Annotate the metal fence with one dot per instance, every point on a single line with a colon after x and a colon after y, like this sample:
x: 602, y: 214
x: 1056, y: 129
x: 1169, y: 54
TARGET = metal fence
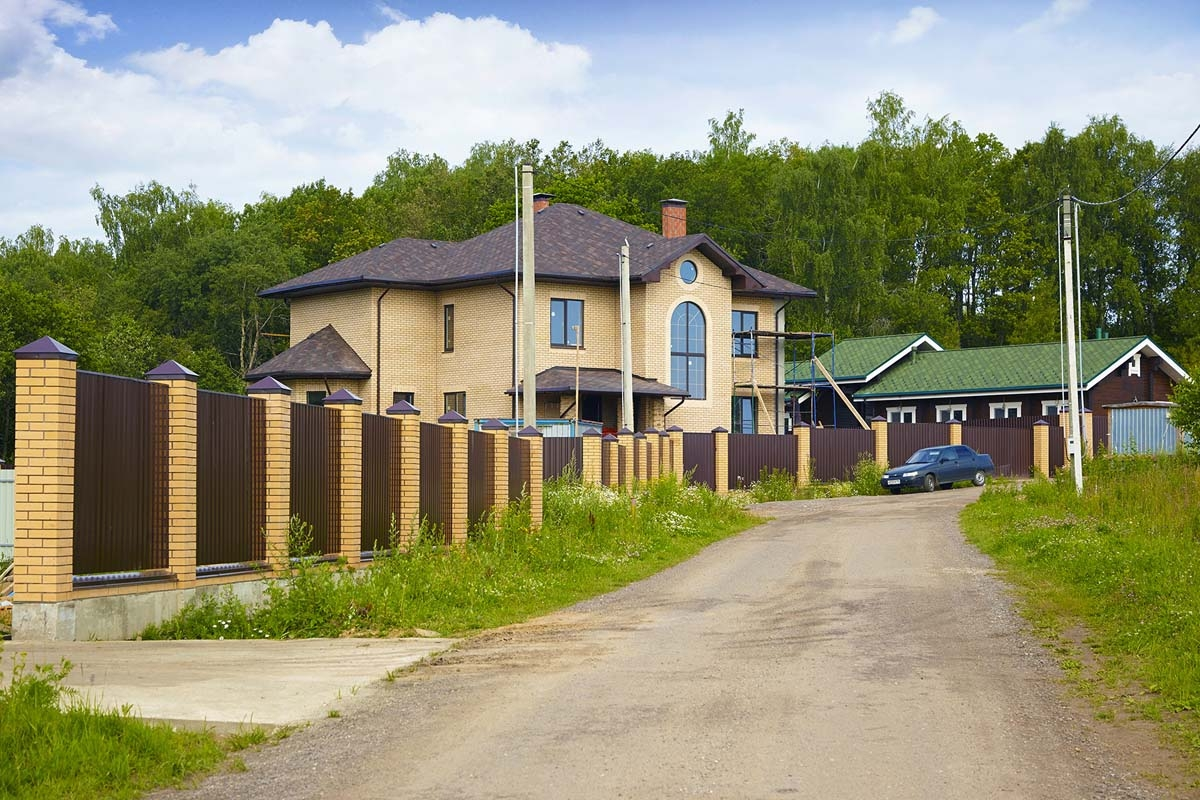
x: 559, y: 454
x: 751, y: 453
x: 904, y: 439
x: 1012, y: 422
x: 316, y: 477
x: 7, y: 511
x: 1100, y: 432
x: 435, y: 445
x: 1142, y: 429
x: 120, y: 475
x: 1058, y: 450
x: 516, y: 464
x: 835, y: 451
x: 480, y: 447
x: 1011, y: 453
x: 699, y: 458
x: 381, y: 476
x: 230, y: 479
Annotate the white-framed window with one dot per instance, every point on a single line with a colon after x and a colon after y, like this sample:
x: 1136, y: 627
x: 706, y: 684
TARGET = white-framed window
x: 952, y: 413
x: 902, y: 414
x: 1004, y: 410
x: 1052, y: 408
x: 1135, y: 365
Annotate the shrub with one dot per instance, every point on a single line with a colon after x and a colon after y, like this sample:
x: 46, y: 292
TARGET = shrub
x: 867, y: 477
x: 773, y: 485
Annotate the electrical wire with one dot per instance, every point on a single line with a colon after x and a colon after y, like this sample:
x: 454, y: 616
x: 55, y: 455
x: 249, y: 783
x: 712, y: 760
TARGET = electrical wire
x: 1148, y: 178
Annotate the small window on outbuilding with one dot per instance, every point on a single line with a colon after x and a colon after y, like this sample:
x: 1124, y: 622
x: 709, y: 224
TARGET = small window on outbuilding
x: 952, y: 413
x: 1135, y: 366
x: 1004, y: 410
x: 902, y: 414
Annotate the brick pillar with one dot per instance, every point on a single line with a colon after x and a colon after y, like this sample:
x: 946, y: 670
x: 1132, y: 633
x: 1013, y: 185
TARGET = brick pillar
x: 652, y: 455
x: 676, y: 435
x: 625, y: 440
x: 349, y: 408
x: 612, y: 461
x: 498, y: 470
x: 590, y: 456
x: 639, y: 457
x: 1041, y: 448
x: 278, y: 463
x: 665, y: 466
x: 879, y: 426
x: 803, y: 435
x: 1089, y: 429
x: 454, y: 473
x: 408, y: 471
x: 44, y: 536
x: 1064, y: 422
x: 181, y: 469
x: 721, y: 460
x: 955, y: 432
x: 532, y: 473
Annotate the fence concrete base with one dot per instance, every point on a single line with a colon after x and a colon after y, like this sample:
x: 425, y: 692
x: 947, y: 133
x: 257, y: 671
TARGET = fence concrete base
x: 116, y: 616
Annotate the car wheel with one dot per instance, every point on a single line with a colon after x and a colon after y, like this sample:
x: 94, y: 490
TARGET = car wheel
x: 980, y: 478
x: 930, y: 482
x: 894, y: 491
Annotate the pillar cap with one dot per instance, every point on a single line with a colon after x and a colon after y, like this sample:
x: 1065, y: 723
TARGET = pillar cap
x: 608, y: 437
x: 46, y: 349
x: 639, y: 435
x: 171, y: 371
x: 650, y: 430
x: 342, y: 397
x: 663, y: 433
x: 674, y: 429
x: 529, y: 430
x: 719, y: 429
x: 801, y: 424
x: 493, y: 424
x: 590, y: 432
x: 1041, y: 422
x: 401, y: 408
x: 451, y: 418
x: 1087, y: 410
x: 624, y: 432
x: 878, y: 419
x: 268, y: 385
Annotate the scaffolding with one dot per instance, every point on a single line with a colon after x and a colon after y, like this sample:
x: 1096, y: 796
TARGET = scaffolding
x: 789, y: 393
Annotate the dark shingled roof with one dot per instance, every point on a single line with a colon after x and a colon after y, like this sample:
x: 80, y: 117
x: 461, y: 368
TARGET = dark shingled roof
x: 572, y: 244
x: 323, y: 354
x: 561, y: 380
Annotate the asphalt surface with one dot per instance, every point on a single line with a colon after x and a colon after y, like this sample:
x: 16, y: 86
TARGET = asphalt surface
x: 853, y: 648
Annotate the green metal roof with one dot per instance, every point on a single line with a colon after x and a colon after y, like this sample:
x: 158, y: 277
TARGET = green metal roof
x: 989, y: 369
x: 855, y: 359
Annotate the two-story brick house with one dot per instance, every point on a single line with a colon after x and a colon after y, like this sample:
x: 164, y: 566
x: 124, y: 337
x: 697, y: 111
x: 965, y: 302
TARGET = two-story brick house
x: 432, y: 323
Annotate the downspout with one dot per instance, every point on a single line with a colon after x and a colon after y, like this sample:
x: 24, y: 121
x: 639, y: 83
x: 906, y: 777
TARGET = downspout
x: 379, y: 351
x: 667, y: 413
x: 780, y: 365
x: 514, y: 348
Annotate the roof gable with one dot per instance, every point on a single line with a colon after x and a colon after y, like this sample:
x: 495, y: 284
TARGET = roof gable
x: 322, y: 354
x: 865, y: 358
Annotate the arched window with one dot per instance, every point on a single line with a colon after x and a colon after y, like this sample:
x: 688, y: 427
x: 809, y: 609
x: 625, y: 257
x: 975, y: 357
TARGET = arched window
x: 687, y: 349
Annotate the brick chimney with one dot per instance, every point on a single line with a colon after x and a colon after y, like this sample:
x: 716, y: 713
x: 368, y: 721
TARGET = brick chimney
x: 674, y: 218
x: 541, y: 200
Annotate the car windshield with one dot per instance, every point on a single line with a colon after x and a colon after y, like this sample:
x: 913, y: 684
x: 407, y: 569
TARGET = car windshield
x: 925, y: 455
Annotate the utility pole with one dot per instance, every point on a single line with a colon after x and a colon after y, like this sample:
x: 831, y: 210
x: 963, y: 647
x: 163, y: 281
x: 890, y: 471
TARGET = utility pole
x: 529, y: 306
x: 1070, y: 337
x: 626, y: 343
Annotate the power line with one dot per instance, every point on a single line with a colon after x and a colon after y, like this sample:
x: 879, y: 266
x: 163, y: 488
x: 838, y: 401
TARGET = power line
x: 1147, y: 180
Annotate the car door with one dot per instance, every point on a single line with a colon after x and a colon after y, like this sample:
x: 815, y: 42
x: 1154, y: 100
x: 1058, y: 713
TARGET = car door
x: 965, y: 464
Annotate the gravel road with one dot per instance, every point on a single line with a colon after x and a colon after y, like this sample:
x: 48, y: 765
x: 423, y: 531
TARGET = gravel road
x: 851, y: 648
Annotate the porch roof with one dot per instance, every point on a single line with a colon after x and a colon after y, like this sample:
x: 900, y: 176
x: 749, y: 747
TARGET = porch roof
x: 561, y: 380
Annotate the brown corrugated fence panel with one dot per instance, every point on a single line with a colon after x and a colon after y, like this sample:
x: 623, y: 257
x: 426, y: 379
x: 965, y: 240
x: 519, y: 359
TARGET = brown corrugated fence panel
x: 835, y: 451
x: 560, y: 453
x: 516, y: 486
x: 906, y: 438
x: 1011, y: 448
x: 1100, y: 432
x: 433, y: 482
x: 120, y: 475
x: 1058, y: 456
x: 604, y: 460
x: 751, y: 453
x: 699, y: 458
x: 479, y: 474
x: 230, y: 479
x: 1011, y: 422
x: 380, y: 465
x: 316, y: 484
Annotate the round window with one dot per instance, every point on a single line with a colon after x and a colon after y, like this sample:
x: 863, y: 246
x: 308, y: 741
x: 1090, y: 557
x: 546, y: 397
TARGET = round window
x: 688, y: 272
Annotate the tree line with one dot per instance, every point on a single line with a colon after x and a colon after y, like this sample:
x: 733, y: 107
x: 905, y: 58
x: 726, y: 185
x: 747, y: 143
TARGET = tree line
x: 919, y: 227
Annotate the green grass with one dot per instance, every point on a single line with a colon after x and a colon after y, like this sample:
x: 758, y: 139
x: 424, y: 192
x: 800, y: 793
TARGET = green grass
x: 773, y: 485
x: 1122, y: 559
x: 49, y: 752
x: 592, y: 540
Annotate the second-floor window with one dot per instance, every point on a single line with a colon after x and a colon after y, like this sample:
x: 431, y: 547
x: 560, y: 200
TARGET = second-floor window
x: 744, y: 321
x: 566, y: 323
x: 448, y: 328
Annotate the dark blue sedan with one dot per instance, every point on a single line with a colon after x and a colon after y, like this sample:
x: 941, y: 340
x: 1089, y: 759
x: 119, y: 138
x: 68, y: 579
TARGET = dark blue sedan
x: 931, y: 467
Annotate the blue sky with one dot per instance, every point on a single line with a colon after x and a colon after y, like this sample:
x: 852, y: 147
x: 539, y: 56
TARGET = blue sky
x: 238, y: 98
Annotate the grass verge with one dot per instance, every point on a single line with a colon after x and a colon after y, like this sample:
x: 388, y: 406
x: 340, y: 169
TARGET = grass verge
x: 1120, y: 559
x: 774, y: 485
x: 592, y: 540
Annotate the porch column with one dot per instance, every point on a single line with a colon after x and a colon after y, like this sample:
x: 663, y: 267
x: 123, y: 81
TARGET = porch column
x: 879, y: 426
x: 721, y: 460
x: 406, y: 444
x: 349, y: 421
x: 181, y: 469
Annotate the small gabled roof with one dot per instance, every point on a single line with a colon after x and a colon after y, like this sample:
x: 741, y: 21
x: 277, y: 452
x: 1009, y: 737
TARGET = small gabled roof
x: 561, y: 380
x: 862, y: 359
x: 572, y: 244
x: 323, y: 354
x: 1012, y: 368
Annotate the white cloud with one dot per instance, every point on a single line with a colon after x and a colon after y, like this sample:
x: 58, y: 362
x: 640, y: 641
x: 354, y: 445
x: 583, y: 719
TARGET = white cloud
x: 920, y: 21
x: 1059, y: 13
